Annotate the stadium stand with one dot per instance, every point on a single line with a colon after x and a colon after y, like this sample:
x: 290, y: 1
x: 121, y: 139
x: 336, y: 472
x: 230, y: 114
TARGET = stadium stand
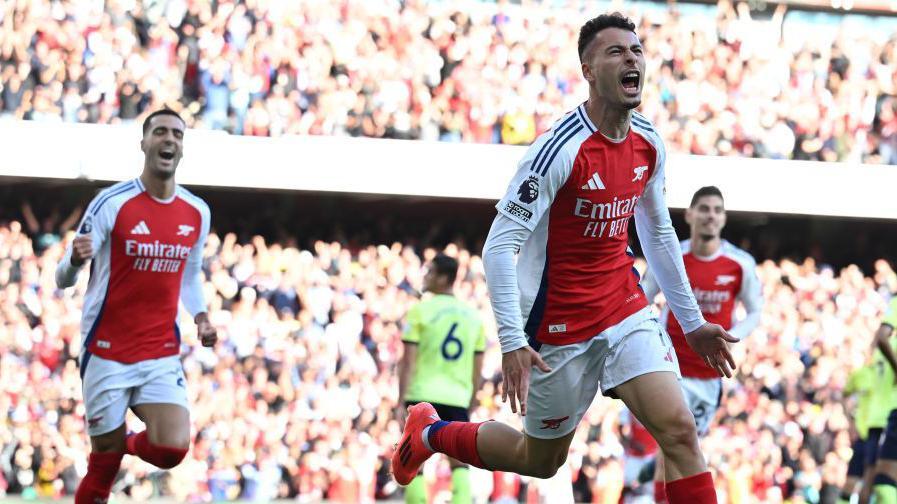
x: 813, y: 86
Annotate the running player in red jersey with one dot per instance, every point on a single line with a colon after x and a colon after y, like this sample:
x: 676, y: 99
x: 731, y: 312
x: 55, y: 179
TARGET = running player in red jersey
x: 144, y: 238
x: 721, y: 276
x: 572, y: 307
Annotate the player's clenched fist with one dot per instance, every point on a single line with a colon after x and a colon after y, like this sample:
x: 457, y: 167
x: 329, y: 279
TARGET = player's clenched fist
x: 82, y: 249
x: 711, y: 342
x: 205, y: 330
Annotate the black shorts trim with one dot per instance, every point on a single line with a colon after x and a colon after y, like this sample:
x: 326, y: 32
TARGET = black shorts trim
x: 447, y: 413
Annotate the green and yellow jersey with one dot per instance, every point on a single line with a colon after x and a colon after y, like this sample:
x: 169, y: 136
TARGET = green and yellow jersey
x: 883, y: 396
x: 861, y: 382
x: 448, y: 333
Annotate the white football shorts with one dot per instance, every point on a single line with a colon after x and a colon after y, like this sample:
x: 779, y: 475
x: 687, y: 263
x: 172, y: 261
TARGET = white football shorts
x: 703, y: 397
x: 110, y: 388
x: 558, y: 400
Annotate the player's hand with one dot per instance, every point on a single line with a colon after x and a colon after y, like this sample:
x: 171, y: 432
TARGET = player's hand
x: 206, y: 332
x: 711, y: 342
x: 515, y: 369
x: 82, y: 249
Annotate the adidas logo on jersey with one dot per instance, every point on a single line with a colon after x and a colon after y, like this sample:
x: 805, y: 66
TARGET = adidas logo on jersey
x: 594, y: 184
x: 140, y: 229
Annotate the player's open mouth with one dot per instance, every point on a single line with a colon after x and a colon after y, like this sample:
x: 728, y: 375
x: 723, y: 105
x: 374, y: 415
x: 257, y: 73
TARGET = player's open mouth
x: 166, y: 155
x: 630, y: 82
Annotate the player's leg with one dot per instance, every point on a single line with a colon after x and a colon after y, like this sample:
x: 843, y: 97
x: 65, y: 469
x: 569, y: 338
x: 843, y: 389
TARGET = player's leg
x: 461, y: 493
x: 656, y: 400
x: 106, y: 396
x: 553, y: 410
x: 869, y: 462
x: 161, y: 403
x: 660, y: 485
x: 884, y: 484
x: 639, y: 371
x: 702, y: 396
x: 854, y: 470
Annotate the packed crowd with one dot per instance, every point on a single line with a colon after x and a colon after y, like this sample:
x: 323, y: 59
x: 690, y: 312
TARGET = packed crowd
x: 720, y: 82
x: 297, y: 399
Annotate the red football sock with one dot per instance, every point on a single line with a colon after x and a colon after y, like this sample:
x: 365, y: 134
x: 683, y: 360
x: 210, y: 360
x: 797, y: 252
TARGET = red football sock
x: 697, y: 489
x: 97, y: 483
x: 457, y: 440
x: 163, y: 457
x: 660, y: 492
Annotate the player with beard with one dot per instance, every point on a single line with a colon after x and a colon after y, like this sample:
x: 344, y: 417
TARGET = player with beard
x: 144, y: 238
x: 571, y: 315
x: 721, y: 276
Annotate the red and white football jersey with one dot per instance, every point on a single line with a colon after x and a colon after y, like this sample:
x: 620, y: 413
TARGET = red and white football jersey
x: 718, y: 282
x: 575, y: 191
x: 147, y: 255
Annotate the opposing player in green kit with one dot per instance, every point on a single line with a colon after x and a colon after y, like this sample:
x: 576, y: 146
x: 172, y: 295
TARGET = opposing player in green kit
x: 884, y: 484
x: 444, y: 340
x: 870, y: 415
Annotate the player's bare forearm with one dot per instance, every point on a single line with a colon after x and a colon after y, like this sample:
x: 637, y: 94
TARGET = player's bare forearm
x: 881, y: 341
x: 477, y: 378
x: 406, y: 368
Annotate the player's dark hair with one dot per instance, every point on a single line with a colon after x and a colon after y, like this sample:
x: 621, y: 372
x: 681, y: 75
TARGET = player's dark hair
x: 160, y: 112
x: 446, y: 266
x: 705, y: 191
x: 593, y: 26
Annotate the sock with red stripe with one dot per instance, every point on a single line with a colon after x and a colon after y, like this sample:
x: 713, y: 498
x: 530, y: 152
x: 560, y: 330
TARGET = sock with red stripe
x: 697, y: 489
x: 456, y: 439
x: 660, y: 492
x: 163, y: 457
x: 97, y: 483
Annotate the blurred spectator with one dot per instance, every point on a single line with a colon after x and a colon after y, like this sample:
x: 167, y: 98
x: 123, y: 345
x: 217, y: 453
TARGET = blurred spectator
x: 721, y: 80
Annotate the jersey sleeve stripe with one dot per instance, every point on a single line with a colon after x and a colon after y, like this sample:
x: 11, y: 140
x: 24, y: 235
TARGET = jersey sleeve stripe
x: 110, y: 195
x: 560, y: 146
x: 642, y: 124
x: 558, y: 132
x: 582, y: 117
x: 105, y: 192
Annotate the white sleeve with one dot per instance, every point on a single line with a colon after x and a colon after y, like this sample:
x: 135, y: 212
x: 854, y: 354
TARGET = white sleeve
x: 649, y: 285
x: 191, y: 283
x: 543, y: 170
x: 662, y: 250
x: 504, y: 240
x: 751, y: 296
x: 97, y: 222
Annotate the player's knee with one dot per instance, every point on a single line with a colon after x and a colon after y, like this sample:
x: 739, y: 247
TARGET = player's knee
x: 548, y: 468
x: 678, y: 434
x: 544, y: 472
x: 168, y: 457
